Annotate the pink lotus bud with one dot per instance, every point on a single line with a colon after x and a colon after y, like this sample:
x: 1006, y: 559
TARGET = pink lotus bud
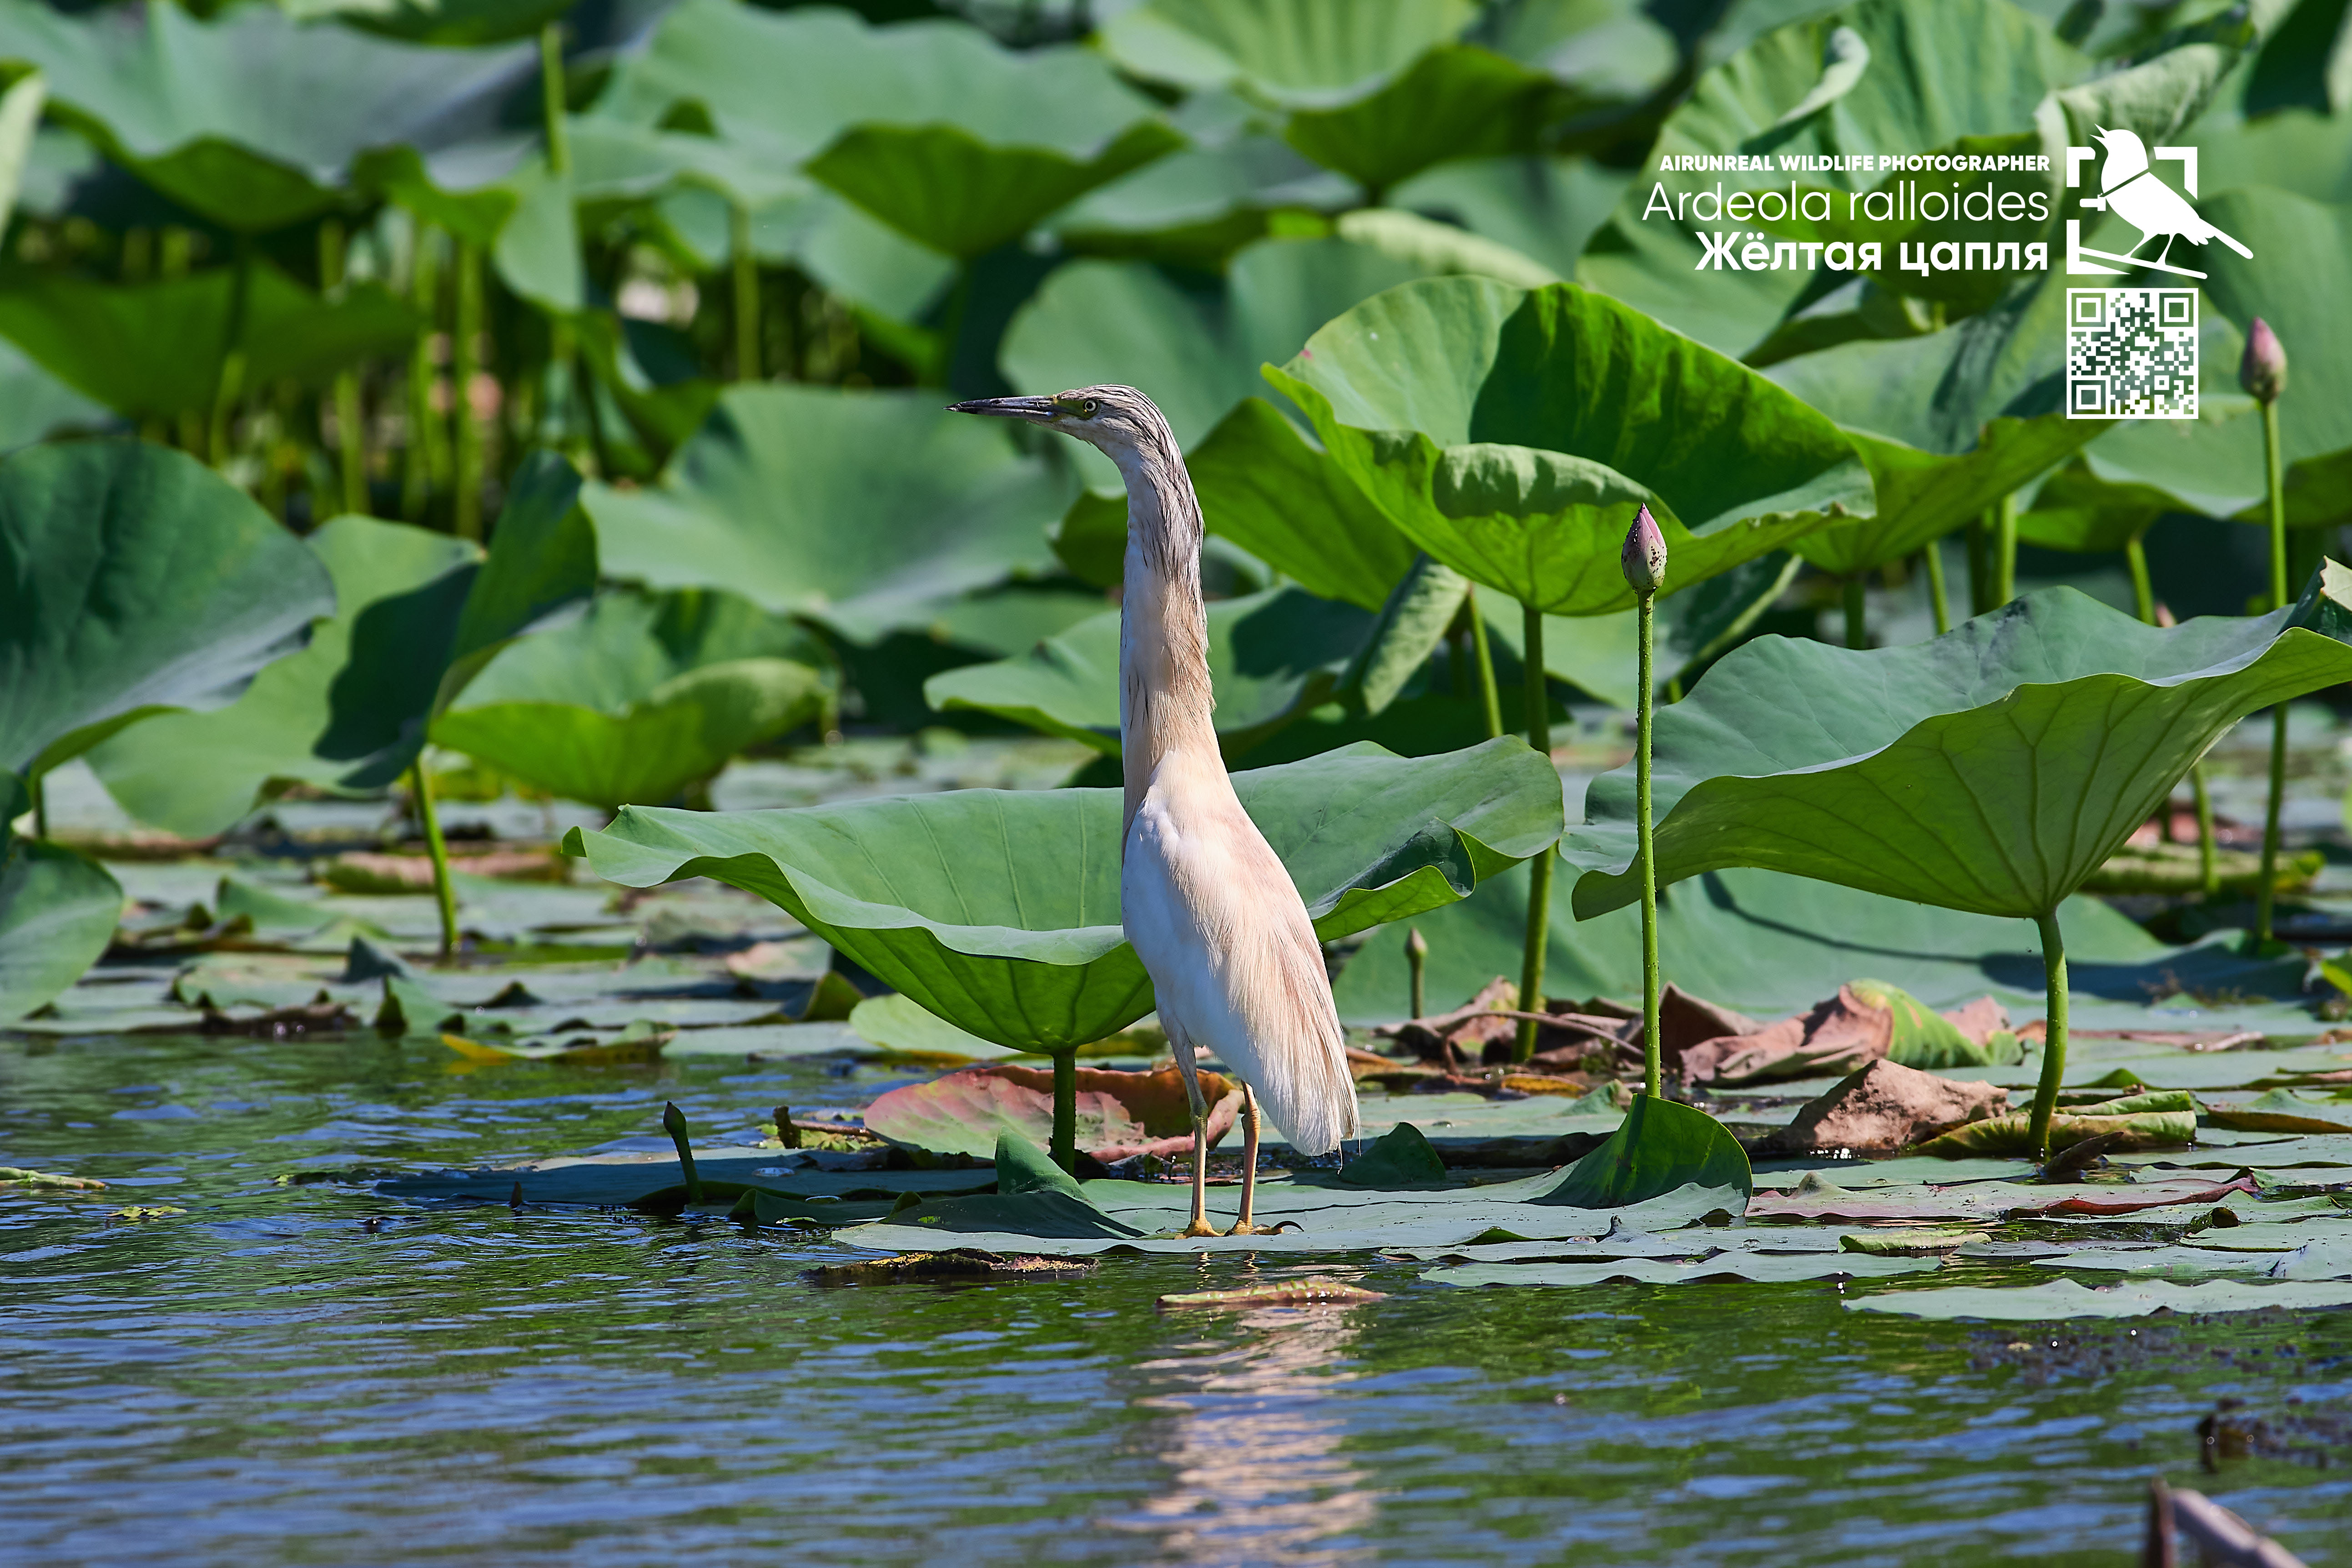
x: 2262, y: 371
x: 1645, y: 555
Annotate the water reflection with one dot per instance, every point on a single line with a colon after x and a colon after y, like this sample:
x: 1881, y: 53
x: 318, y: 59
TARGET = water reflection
x: 1251, y: 1439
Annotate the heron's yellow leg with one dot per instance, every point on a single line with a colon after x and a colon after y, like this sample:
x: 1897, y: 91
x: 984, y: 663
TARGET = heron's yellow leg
x: 1200, y: 1225
x: 1248, y: 1224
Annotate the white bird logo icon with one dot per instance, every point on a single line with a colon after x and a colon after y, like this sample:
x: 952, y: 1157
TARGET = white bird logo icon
x: 2134, y: 192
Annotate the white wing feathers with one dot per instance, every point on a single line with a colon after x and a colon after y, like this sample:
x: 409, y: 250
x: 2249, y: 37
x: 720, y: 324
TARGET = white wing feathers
x: 1232, y: 957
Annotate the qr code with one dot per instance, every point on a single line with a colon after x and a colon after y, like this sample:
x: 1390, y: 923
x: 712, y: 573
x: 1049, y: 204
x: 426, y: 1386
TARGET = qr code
x: 2131, y: 353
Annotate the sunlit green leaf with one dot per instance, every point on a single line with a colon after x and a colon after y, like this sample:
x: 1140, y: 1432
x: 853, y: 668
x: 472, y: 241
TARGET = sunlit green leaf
x: 57, y: 912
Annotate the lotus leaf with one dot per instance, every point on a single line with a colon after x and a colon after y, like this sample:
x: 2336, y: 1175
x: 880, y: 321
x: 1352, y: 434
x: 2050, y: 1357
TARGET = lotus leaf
x: 1544, y: 207
x: 1400, y: 1157
x: 999, y: 911
x: 1195, y: 355
x: 35, y: 404
x: 199, y: 773
x: 759, y: 501
x: 1271, y: 655
x: 155, y: 348
x: 2065, y: 1298
x: 1777, y: 1267
x: 253, y: 119
x: 1661, y: 1146
x: 1309, y: 55
x: 2077, y: 509
x: 1513, y: 434
x: 1597, y: 653
x: 133, y: 580
x: 1118, y: 1114
x: 442, y: 22
x: 992, y: 141
x: 1195, y: 206
x: 637, y: 701
x: 58, y: 912
x: 1992, y: 769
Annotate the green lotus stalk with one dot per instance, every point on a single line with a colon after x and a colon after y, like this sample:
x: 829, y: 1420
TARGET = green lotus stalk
x: 1980, y: 597
x: 1538, y: 933
x: 466, y: 363
x: 1644, y: 565
x: 1063, y: 1145
x: 747, y: 290
x: 231, y: 384
x: 1489, y: 696
x: 674, y: 1123
x: 1416, y: 958
x: 2004, y: 569
x: 351, y: 435
x: 1857, y: 630
x: 2053, y: 1043
x: 2261, y: 371
x: 421, y: 786
x: 35, y: 786
x: 2142, y: 590
x: 1938, y: 599
x: 552, y: 105
x: 421, y: 464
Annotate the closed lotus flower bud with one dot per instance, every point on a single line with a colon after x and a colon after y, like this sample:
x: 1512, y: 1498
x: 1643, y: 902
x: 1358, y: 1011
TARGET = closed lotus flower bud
x: 2262, y: 371
x: 1645, y: 555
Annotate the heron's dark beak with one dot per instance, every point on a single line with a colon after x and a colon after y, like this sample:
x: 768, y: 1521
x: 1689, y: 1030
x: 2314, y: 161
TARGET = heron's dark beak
x: 1037, y: 410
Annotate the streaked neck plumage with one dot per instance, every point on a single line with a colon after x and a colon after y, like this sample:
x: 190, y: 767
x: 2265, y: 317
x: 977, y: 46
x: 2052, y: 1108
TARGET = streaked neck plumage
x: 1165, y: 699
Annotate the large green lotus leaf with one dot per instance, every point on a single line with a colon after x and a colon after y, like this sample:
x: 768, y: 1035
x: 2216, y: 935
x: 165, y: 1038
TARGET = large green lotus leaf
x: 441, y: 22
x: 1270, y: 491
x: 999, y: 912
x: 619, y: 162
x: 253, y: 119
x: 1298, y: 55
x: 1990, y: 769
x: 1660, y: 1146
x: 1270, y: 655
x: 680, y: 734
x: 1195, y: 354
x: 1545, y: 207
x: 1914, y: 75
x: 1456, y: 102
x: 1197, y: 205
x: 931, y: 126
x: 58, y: 912
x: 155, y: 348
x: 1513, y: 434
x: 133, y: 580
x: 638, y: 700
x: 198, y: 774
x: 2064, y: 1300
x: 864, y: 511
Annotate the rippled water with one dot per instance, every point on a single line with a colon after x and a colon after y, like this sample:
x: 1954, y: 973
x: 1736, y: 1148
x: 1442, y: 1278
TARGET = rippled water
x: 312, y: 1374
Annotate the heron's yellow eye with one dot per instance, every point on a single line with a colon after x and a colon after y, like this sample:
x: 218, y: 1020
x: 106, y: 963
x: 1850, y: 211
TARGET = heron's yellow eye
x: 1090, y: 409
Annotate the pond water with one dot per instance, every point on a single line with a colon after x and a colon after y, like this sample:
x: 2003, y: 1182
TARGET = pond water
x: 308, y: 1371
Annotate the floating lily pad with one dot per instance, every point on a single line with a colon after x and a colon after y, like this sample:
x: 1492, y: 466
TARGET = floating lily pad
x: 2062, y: 1299
x: 1751, y: 1266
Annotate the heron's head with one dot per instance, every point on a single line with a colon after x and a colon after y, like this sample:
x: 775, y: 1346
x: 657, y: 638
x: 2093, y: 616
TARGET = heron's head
x: 1120, y: 420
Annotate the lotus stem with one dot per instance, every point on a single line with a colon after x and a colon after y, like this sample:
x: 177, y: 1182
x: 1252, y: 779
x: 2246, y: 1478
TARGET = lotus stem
x: 1065, y: 1144
x: 34, y: 784
x: 1416, y: 962
x: 1538, y: 933
x: 420, y: 463
x: 674, y: 1123
x: 2004, y: 580
x: 1674, y: 690
x: 1979, y: 566
x: 747, y: 291
x: 231, y: 384
x: 1488, y: 696
x: 1938, y: 599
x: 350, y: 435
x: 2266, y: 894
x: 466, y: 363
x: 421, y: 785
x: 2143, y: 591
x: 1857, y: 630
x: 2053, y: 1043
x: 551, y: 98
x: 1645, y: 700
x: 2208, y: 872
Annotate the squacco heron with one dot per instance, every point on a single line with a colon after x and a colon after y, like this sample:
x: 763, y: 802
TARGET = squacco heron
x: 1206, y: 902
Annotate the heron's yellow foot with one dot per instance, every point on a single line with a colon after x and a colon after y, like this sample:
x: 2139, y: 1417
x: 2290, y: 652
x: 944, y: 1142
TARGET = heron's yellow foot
x: 1200, y: 1227
x: 1243, y: 1228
